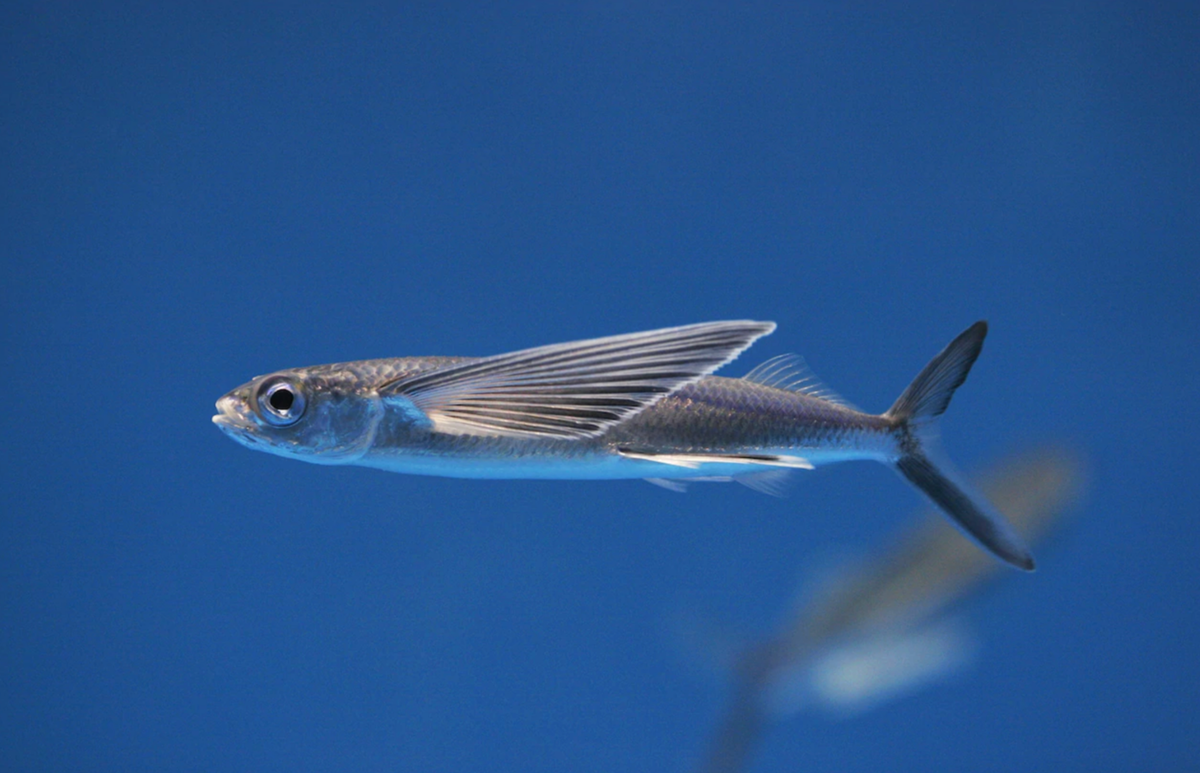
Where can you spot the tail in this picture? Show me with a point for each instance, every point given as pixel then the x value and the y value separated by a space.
pixel 915 413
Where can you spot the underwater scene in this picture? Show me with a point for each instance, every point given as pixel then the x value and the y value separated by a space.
pixel 600 387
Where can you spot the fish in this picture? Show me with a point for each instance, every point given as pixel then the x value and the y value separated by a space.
pixel 638 405
pixel 880 628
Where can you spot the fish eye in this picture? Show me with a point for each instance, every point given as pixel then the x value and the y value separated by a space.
pixel 281 401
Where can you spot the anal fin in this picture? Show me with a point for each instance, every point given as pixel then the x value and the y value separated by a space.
pixel 774 482
pixel 670 484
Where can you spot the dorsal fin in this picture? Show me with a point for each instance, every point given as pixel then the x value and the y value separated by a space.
pixel 791 372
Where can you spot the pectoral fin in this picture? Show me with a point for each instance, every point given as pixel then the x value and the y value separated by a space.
pixel 572 390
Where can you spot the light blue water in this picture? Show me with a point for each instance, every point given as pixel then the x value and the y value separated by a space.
pixel 195 197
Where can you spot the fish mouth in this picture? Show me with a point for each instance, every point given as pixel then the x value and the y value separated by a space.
pixel 235 420
pixel 231 412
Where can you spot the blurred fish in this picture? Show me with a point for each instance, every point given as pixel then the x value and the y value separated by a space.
pixel 881 630
pixel 641 405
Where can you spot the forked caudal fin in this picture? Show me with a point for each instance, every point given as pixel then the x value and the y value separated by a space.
pixel 917 409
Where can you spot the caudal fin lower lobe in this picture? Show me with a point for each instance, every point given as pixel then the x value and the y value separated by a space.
pixel 977 519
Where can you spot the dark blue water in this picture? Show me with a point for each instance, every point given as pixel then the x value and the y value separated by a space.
pixel 192 198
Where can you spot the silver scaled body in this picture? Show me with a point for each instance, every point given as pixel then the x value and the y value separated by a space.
pixel 639 405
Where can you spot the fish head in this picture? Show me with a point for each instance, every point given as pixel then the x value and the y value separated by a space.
pixel 322 415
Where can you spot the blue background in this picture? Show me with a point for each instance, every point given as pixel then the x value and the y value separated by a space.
pixel 194 197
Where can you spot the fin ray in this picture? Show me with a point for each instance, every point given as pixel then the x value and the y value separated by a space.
pixel 791 372
pixel 572 390
pixel 774 483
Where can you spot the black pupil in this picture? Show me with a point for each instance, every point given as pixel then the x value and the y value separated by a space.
pixel 281 399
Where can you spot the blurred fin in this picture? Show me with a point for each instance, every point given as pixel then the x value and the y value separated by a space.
pixel 856 677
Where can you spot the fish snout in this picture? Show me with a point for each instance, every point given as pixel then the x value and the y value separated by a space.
pixel 233 413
